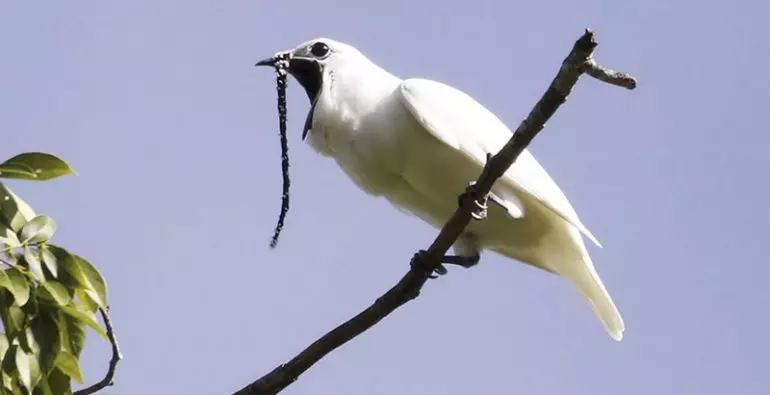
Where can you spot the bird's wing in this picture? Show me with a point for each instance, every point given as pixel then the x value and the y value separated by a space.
pixel 462 123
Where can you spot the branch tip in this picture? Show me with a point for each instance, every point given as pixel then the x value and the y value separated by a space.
pixel 116 357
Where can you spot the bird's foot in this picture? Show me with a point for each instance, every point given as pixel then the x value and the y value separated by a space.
pixel 418 261
pixel 469 199
pixel 463 261
pixel 478 206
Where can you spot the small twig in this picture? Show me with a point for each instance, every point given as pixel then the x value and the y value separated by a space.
pixel 609 76
pixel 577 62
pixel 116 357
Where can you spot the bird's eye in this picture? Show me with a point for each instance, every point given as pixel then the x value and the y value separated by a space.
pixel 319 50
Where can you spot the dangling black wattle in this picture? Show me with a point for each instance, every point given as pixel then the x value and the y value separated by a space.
pixel 309 119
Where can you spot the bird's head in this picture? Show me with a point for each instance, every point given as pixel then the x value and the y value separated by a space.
pixel 309 61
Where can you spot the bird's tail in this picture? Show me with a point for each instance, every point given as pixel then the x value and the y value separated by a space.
pixel 565 254
pixel 602 305
pixel 584 276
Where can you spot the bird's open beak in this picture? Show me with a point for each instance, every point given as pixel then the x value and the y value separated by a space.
pixel 267 62
pixel 307 71
pixel 271 61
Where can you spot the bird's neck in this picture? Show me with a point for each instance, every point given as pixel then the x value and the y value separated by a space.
pixel 357 89
pixel 349 99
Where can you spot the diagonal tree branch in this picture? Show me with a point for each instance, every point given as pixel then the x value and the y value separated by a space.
pixel 116 357
pixel 578 62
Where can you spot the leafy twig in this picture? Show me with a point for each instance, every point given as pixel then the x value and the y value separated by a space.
pixel 116 357
pixel 578 61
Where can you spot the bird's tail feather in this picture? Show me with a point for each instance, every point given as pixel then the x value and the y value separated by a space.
pixel 602 305
pixel 571 261
pixel 584 276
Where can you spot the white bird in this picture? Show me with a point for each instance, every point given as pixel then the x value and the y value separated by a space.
pixel 419 143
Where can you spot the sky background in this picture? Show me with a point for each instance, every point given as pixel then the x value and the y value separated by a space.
pixel 173 133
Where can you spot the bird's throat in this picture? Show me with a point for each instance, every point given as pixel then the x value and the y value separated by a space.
pixel 309 74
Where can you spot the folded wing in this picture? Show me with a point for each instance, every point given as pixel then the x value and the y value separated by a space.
pixel 462 123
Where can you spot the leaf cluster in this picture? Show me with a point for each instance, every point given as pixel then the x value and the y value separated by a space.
pixel 48 295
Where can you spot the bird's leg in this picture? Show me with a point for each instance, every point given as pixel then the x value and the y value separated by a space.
pixel 467 251
pixel 418 261
pixel 460 260
pixel 476 204
pixel 495 199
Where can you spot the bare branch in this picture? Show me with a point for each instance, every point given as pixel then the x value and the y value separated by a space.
pixel 116 357
pixel 578 61
pixel 608 75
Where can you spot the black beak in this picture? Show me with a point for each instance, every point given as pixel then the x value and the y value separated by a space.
pixel 267 62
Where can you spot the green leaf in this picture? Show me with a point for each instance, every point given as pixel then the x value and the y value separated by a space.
pixel 8 237
pixel 9 360
pixel 57 383
pixel 27 341
pixel 14 319
pixel 68 268
pixel 73 333
pixel 17 171
pixel 85 318
pixel 29 369
pixel 4 345
pixel 9 374
pixel 16 388
pixel 34 264
pixel 38 230
pixel 31 308
pixel 16 283
pixel 15 322
pixel 9 384
pixel 14 212
pixel 70 365
pixel 97 287
pixel 46 332
pixel 43 388
pixel 57 292
pixel 5 281
pixel 35 166
pixel 83 273
pixel 84 296
pixel 50 261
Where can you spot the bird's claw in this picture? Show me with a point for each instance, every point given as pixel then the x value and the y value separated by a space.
pixel 418 262
pixel 478 207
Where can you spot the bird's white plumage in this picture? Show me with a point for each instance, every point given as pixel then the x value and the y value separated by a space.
pixel 476 132
pixel 464 125
pixel 419 143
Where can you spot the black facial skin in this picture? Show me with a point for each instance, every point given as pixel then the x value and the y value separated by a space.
pixel 309 74
pixel 307 70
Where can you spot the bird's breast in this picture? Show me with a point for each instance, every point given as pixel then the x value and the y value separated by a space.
pixel 368 144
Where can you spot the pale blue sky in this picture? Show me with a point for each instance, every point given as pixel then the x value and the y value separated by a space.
pixel 174 135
